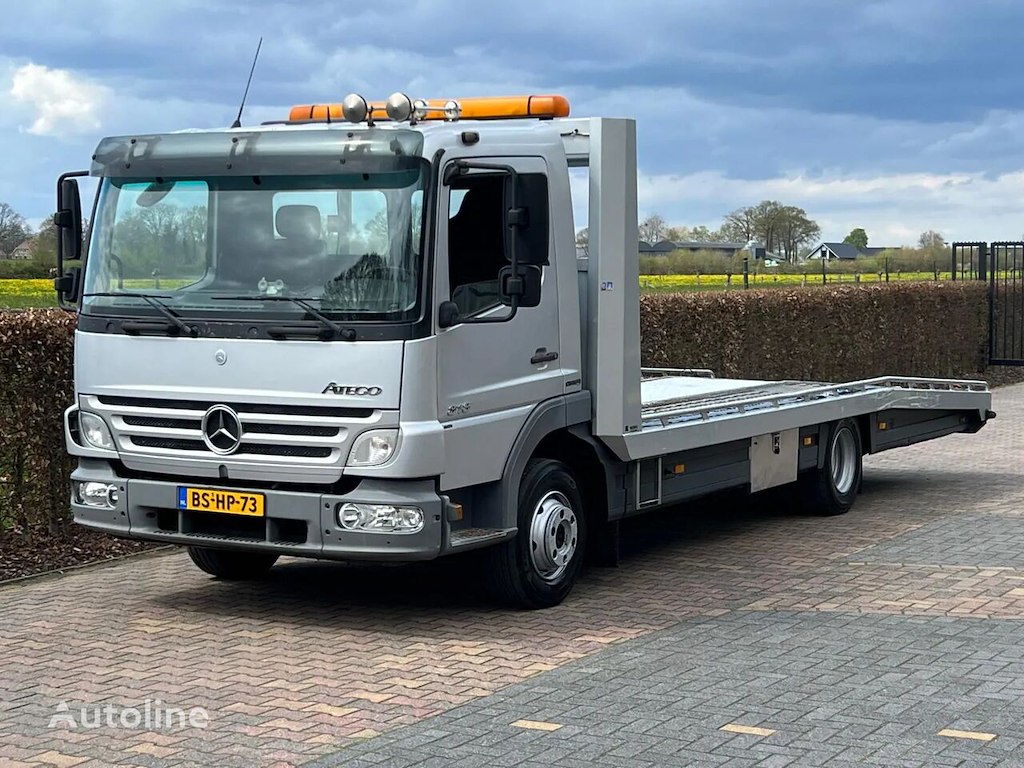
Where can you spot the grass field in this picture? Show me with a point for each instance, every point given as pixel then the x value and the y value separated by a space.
pixel 22 294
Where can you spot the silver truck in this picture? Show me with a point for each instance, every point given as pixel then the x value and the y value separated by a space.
pixel 365 333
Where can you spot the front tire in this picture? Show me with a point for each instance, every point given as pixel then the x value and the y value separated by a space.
pixel 832 489
pixel 538 568
pixel 232 565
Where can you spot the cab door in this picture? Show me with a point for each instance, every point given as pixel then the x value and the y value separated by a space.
pixel 491 375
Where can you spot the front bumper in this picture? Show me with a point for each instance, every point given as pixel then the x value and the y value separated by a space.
pixel 296 523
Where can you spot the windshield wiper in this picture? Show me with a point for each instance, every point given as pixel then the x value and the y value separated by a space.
pixel 302 301
pixel 156 303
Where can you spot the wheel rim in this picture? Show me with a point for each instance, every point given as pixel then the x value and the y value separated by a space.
pixel 554 534
pixel 844 461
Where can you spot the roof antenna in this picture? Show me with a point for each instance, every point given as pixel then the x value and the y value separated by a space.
pixel 238 120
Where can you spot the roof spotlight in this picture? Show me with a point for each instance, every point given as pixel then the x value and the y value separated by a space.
pixel 399 107
pixel 452 111
pixel 420 109
pixel 354 108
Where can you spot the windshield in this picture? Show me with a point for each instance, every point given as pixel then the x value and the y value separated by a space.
pixel 347 245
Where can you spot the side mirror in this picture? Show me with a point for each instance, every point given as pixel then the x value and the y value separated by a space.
pixel 447 314
pixel 526 220
pixel 525 286
pixel 68 220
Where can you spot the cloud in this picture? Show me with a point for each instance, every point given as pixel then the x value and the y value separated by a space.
pixel 63 103
pixel 894 208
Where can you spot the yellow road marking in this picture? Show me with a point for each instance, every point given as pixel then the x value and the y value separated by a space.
pixel 535 725
pixel 976 735
pixel 750 730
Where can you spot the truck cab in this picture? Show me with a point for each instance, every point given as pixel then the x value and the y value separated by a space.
pixel 363 333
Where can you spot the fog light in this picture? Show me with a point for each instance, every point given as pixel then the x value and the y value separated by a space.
pixel 354 108
pixel 452 111
pixel 399 107
pixel 93 494
pixel 380 518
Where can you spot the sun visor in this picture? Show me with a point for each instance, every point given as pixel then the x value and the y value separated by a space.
pixel 257 153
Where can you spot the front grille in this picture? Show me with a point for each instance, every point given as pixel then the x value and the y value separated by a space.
pixel 254 449
pixel 199 405
pixel 164 423
pixel 285 429
pixel 309 435
pixel 169 444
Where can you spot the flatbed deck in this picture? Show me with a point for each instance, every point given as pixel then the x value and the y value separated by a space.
pixel 680 412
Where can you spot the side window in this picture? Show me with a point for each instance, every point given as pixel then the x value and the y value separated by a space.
pixel 160 235
pixel 476 241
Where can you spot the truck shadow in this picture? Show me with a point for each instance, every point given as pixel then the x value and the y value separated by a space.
pixel 682 549
pixel 299 589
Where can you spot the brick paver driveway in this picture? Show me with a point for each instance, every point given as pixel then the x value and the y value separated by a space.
pixel 835 641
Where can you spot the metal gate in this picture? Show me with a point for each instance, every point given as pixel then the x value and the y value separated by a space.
pixel 970 261
pixel 1006 302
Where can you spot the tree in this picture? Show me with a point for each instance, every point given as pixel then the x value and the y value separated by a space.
pixel 739 225
pixel 781 229
pixel 583 237
pixel 858 238
pixel 931 240
pixel 702 234
pixel 652 229
pixel 795 230
pixel 44 245
pixel 13 229
pixel 677 234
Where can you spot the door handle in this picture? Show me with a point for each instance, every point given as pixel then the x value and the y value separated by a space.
pixel 543 356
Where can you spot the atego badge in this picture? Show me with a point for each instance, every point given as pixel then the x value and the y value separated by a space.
pixel 343 389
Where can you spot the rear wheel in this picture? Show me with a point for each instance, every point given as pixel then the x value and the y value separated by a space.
pixel 232 565
pixel 832 489
pixel 538 568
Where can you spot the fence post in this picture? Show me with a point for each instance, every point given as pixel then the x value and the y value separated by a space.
pixel 746 272
pixel 887 269
pixel 983 261
pixel 823 280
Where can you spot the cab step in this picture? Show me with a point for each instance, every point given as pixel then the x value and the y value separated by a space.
pixel 472 538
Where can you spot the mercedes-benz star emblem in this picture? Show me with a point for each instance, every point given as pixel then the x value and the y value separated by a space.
pixel 222 430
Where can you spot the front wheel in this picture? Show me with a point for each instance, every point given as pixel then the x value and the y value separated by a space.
pixel 832 489
pixel 232 565
pixel 538 568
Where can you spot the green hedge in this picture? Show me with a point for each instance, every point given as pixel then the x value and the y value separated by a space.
pixel 23 270
pixel 35 387
pixel 824 334
pixel 821 334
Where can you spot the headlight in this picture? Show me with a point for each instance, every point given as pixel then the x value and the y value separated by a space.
pixel 95 431
pixel 97 494
pixel 373 448
pixel 380 518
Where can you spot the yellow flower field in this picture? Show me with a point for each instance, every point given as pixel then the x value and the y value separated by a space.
pixel 16 294
pixel 717 282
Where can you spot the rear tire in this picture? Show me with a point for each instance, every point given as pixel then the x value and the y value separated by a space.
pixel 538 568
pixel 232 565
pixel 832 489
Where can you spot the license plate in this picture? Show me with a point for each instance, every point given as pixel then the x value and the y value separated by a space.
pixel 225 502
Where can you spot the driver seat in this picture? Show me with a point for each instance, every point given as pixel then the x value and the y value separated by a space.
pixel 302 252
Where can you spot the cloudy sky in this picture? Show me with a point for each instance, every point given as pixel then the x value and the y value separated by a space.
pixel 894 115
